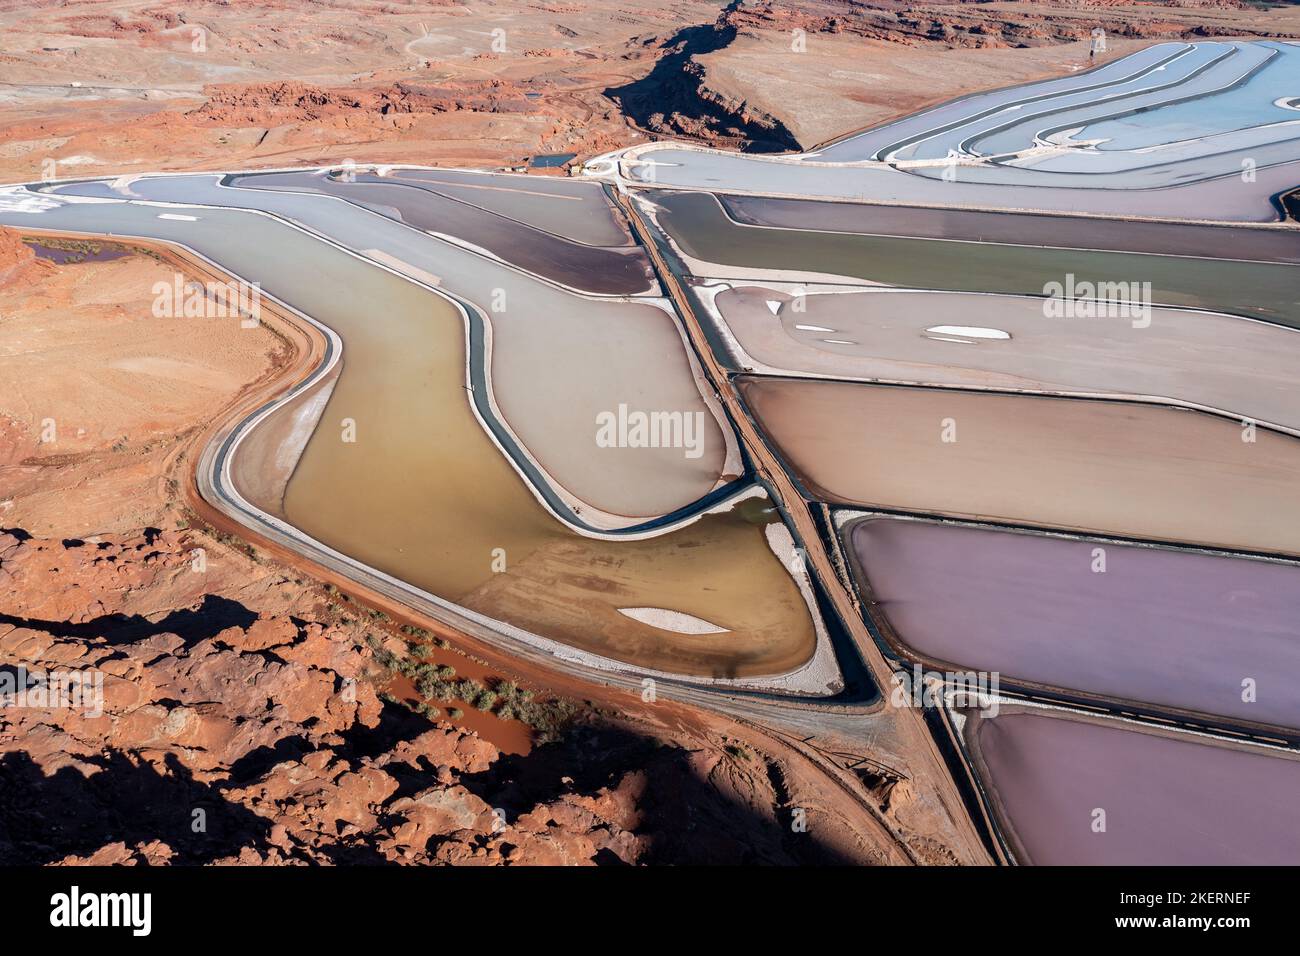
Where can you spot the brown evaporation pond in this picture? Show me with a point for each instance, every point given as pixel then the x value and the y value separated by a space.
pixel 424 495
pixel 1121 468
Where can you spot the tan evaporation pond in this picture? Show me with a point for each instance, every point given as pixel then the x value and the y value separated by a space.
pixel 1222 362
pixel 1115 467
pixel 423 494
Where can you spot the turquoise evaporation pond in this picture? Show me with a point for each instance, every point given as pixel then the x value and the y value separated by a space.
pixel 869 143
pixel 1022 120
pixel 1251 104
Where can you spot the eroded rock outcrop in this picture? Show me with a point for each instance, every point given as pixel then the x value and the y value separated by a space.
pixel 277 104
pixel 18 261
pixel 207 731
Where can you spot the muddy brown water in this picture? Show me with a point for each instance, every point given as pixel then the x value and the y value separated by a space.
pixel 423 494
pixel 1118 468
pixel 509 736
pixel 75 253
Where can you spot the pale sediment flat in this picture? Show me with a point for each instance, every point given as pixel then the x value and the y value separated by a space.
pixel 1225 363
pixel 278 445
pixel 1170 799
pixel 699 226
pixel 558 360
pixel 1121 468
pixel 1022 229
pixel 1181 629
pixel 667 620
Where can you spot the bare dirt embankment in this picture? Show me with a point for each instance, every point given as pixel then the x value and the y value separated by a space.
pixel 296 722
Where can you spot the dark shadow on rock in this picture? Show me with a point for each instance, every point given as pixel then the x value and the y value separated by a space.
pixel 210 618
pixel 669 98
pixel 396 725
pixel 688 820
pixel 257 763
pixel 45 818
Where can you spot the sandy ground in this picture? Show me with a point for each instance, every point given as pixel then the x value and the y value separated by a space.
pixel 776 76
pixel 141 381
pixel 105 88
pixel 842 82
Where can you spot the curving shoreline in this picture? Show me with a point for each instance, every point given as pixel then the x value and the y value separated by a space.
pixel 222 486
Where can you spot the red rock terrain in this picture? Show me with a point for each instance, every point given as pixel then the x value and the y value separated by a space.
pixel 18 263
pixel 267 729
pixel 104 87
